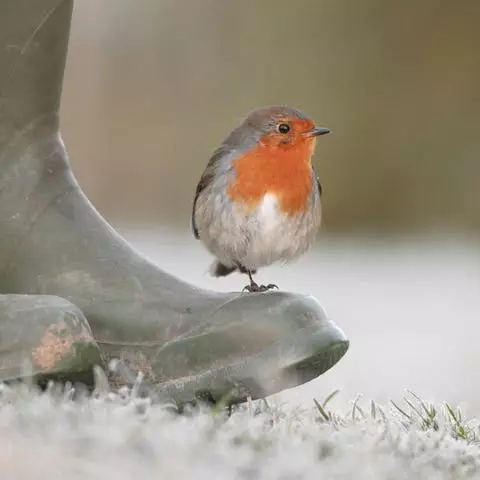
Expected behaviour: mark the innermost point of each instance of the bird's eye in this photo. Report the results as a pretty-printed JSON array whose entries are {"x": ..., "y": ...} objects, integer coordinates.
[{"x": 283, "y": 128}]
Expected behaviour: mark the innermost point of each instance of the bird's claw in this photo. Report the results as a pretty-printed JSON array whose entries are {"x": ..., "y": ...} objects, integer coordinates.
[{"x": 254, "y": 287}]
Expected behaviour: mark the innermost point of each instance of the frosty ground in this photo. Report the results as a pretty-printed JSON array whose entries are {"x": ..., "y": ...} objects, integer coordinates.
[{"x": 118, "y": 435}]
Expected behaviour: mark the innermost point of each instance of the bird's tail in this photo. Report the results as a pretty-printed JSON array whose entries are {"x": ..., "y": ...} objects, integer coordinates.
[{"x": 218, "y": 269}]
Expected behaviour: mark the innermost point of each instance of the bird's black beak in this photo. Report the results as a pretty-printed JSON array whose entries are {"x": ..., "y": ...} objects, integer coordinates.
[{"x": 315, "y": 132}]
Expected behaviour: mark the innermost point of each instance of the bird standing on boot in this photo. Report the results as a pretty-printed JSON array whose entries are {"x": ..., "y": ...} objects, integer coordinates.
[{"x": 258, "y": 200}]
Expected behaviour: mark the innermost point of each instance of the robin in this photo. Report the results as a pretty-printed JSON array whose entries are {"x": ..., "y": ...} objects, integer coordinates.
[{"x": 258, "y": 200}]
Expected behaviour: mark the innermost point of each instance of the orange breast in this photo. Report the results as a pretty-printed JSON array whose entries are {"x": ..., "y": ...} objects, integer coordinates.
[{"x": 285, "y": 171}]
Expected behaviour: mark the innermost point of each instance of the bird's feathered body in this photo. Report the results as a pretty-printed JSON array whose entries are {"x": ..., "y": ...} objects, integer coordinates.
[{"x": 258, "y": 201}]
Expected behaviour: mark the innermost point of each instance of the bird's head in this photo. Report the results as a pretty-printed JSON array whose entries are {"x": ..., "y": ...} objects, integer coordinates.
[{"x": 276, "y": 128}]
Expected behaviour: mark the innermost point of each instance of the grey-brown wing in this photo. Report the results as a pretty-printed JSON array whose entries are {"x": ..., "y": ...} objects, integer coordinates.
[
  {"x": 319, "y": 185},
  {"x": 204, "y": 182}
]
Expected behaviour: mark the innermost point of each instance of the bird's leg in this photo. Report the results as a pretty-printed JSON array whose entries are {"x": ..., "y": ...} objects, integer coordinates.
[{"x": 254, "y": 287}]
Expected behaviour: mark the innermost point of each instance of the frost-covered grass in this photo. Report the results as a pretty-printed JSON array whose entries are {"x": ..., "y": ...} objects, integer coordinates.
[{"x": 59, "y": 435}]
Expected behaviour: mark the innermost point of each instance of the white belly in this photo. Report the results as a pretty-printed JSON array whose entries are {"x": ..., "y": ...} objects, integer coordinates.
[
  {"x": 274, "y": 236},
  {"x": 258, "y": 238}
]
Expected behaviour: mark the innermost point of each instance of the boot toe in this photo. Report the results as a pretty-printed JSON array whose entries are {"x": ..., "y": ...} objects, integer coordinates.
[{"x": 252, "y": 345}]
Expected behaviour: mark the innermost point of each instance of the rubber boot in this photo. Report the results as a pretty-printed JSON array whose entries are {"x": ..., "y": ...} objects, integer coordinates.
[
  {"x": 188, "y": 342},
  {"x": 47, "y": 338}
]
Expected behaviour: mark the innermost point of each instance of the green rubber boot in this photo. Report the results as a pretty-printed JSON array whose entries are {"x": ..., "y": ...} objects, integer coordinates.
[
  {"x": 188, "y": 342},
  {"x": 47, "y": 338}
]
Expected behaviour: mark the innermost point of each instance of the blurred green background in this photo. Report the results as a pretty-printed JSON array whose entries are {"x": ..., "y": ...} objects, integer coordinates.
[{"x": 152, "y": 87}]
